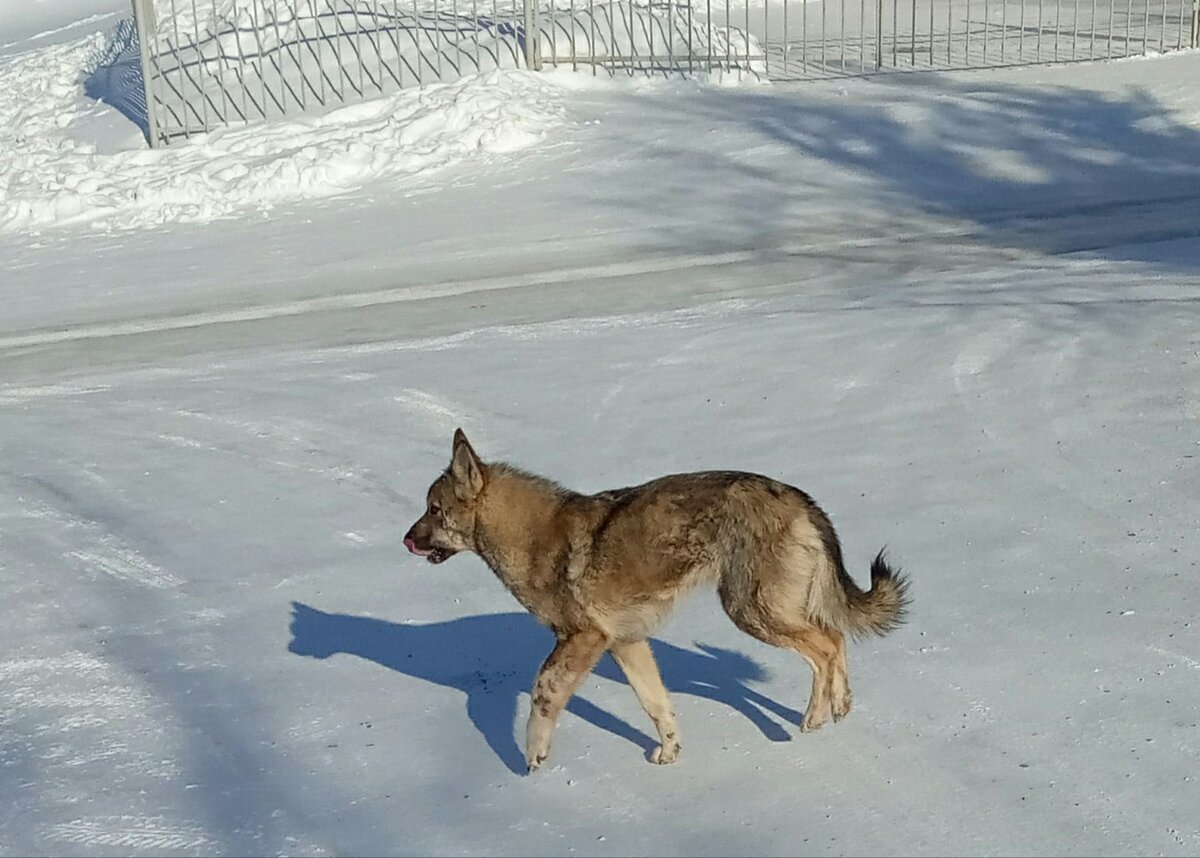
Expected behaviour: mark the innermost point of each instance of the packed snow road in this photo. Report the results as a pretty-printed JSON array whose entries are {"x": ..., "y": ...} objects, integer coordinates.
[{"x": 216, "y": 642}]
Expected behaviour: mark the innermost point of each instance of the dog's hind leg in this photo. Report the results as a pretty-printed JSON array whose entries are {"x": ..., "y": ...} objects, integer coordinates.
[
  {"x": 839, "y": 686},
  {"x": 812, "y": 642},
  {"x": 572, "y": 659},
  {"x": 637, "y": 661},
  {"x": 819, "y": 650}
]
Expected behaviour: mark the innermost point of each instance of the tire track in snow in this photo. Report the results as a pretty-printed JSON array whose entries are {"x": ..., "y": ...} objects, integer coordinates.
[
  {"x": 79, "y": 720},
  {"x": 77, "y": 664},
  {"x": 19, "y": 395},
  {"x": 440, "y": 416},
  {"x": 126, "y": 565},
  {"x": 434, "y": 407},
  {"x": 103, "y": 553},
  {"x": 147, "y": 834},
  {"x": 304, "y": 454},
  {"x": 90, "y": 714}
]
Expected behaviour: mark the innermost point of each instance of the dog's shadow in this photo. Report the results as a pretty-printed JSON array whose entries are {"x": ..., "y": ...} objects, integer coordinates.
[{"x": 492, "y": 658}]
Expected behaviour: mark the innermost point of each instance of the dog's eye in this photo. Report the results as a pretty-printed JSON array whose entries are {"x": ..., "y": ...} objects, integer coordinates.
[{"x": 434, "y": 509}]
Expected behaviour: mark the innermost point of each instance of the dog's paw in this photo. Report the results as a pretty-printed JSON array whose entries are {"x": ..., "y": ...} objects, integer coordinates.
[
  {"x": 534, "y": 762},
  {"x": 538, "y": 733},
  {"x": 664, "y": 754},
  {"x": 811, "y": 724},
  {"x": 841, "y": 708}
]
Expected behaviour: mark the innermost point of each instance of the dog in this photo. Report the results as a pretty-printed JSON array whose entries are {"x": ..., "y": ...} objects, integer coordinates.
[{"x": 604, "y": 570}]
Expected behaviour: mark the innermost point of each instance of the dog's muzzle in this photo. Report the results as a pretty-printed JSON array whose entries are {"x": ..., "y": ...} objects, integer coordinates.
[{"x": 434, "y": 554}]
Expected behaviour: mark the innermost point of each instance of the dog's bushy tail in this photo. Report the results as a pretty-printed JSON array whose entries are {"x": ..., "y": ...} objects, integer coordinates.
[{"x": 882, "y": 608}]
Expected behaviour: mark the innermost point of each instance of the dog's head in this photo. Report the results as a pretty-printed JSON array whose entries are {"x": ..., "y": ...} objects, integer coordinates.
[{"x": 448, "y": 525}]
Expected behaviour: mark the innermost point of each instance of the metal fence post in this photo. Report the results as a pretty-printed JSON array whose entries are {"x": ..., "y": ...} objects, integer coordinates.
[
  {"x": 143, "y": 19},
  {"x": 533, "y": 54},
  {"x": 878, "y": 34}
]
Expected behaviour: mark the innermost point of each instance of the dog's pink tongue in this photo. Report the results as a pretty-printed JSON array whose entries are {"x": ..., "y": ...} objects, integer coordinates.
[{"x": 412, "y": 546}]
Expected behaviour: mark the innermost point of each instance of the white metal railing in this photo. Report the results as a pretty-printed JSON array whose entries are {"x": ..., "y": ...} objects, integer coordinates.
[{"x": 209, "y": 63}]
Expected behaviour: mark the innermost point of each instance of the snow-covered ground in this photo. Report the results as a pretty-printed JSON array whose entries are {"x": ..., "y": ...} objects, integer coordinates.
[{"x": 962, "y": 311}]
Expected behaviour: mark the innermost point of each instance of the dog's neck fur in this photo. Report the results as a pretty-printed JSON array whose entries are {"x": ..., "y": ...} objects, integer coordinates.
[{"x": 514, "y": 532}]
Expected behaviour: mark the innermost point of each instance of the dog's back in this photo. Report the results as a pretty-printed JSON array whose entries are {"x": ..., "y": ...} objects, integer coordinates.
[{"x": 772, "y": 551}]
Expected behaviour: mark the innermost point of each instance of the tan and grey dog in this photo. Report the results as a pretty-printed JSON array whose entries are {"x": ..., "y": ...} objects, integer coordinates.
[{"x": 604, "y": 570}]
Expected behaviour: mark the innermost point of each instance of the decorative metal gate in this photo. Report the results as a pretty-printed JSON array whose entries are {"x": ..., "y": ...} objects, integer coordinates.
[{"x": 209, "y": 63}]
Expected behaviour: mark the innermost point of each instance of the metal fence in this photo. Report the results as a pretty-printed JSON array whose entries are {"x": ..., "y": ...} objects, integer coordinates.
[
  {"x": 860, "y": 37},
  {"x": 209, "y": 63}
]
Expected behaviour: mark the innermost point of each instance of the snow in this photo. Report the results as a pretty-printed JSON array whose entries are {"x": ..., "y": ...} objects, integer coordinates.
[
  {"x": 30, "y": 25},
  {"x": 960, "y": 310}
]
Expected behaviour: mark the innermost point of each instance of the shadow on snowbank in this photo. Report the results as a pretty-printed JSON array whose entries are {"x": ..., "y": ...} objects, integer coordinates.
[
  {"x": 115, "y": 77},
  {"x": 492, "y": 658}
]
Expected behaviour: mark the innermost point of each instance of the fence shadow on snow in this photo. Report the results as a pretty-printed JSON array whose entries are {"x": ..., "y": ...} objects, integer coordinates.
[
  {"x": 1049, "y": 169},
  {"x": 115, "y": 76}
]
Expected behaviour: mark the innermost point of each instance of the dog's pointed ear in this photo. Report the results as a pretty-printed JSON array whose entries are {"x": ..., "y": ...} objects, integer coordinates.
[{"x": 466, "y": 468}]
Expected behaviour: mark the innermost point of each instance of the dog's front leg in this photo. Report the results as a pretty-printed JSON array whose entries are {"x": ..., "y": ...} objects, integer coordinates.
[
  {"x": 573, "y": 658},
  {"x": 636, "y": 659}
]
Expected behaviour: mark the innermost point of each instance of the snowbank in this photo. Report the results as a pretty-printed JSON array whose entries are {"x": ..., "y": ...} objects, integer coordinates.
[{"x": 54, "y": 175}]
